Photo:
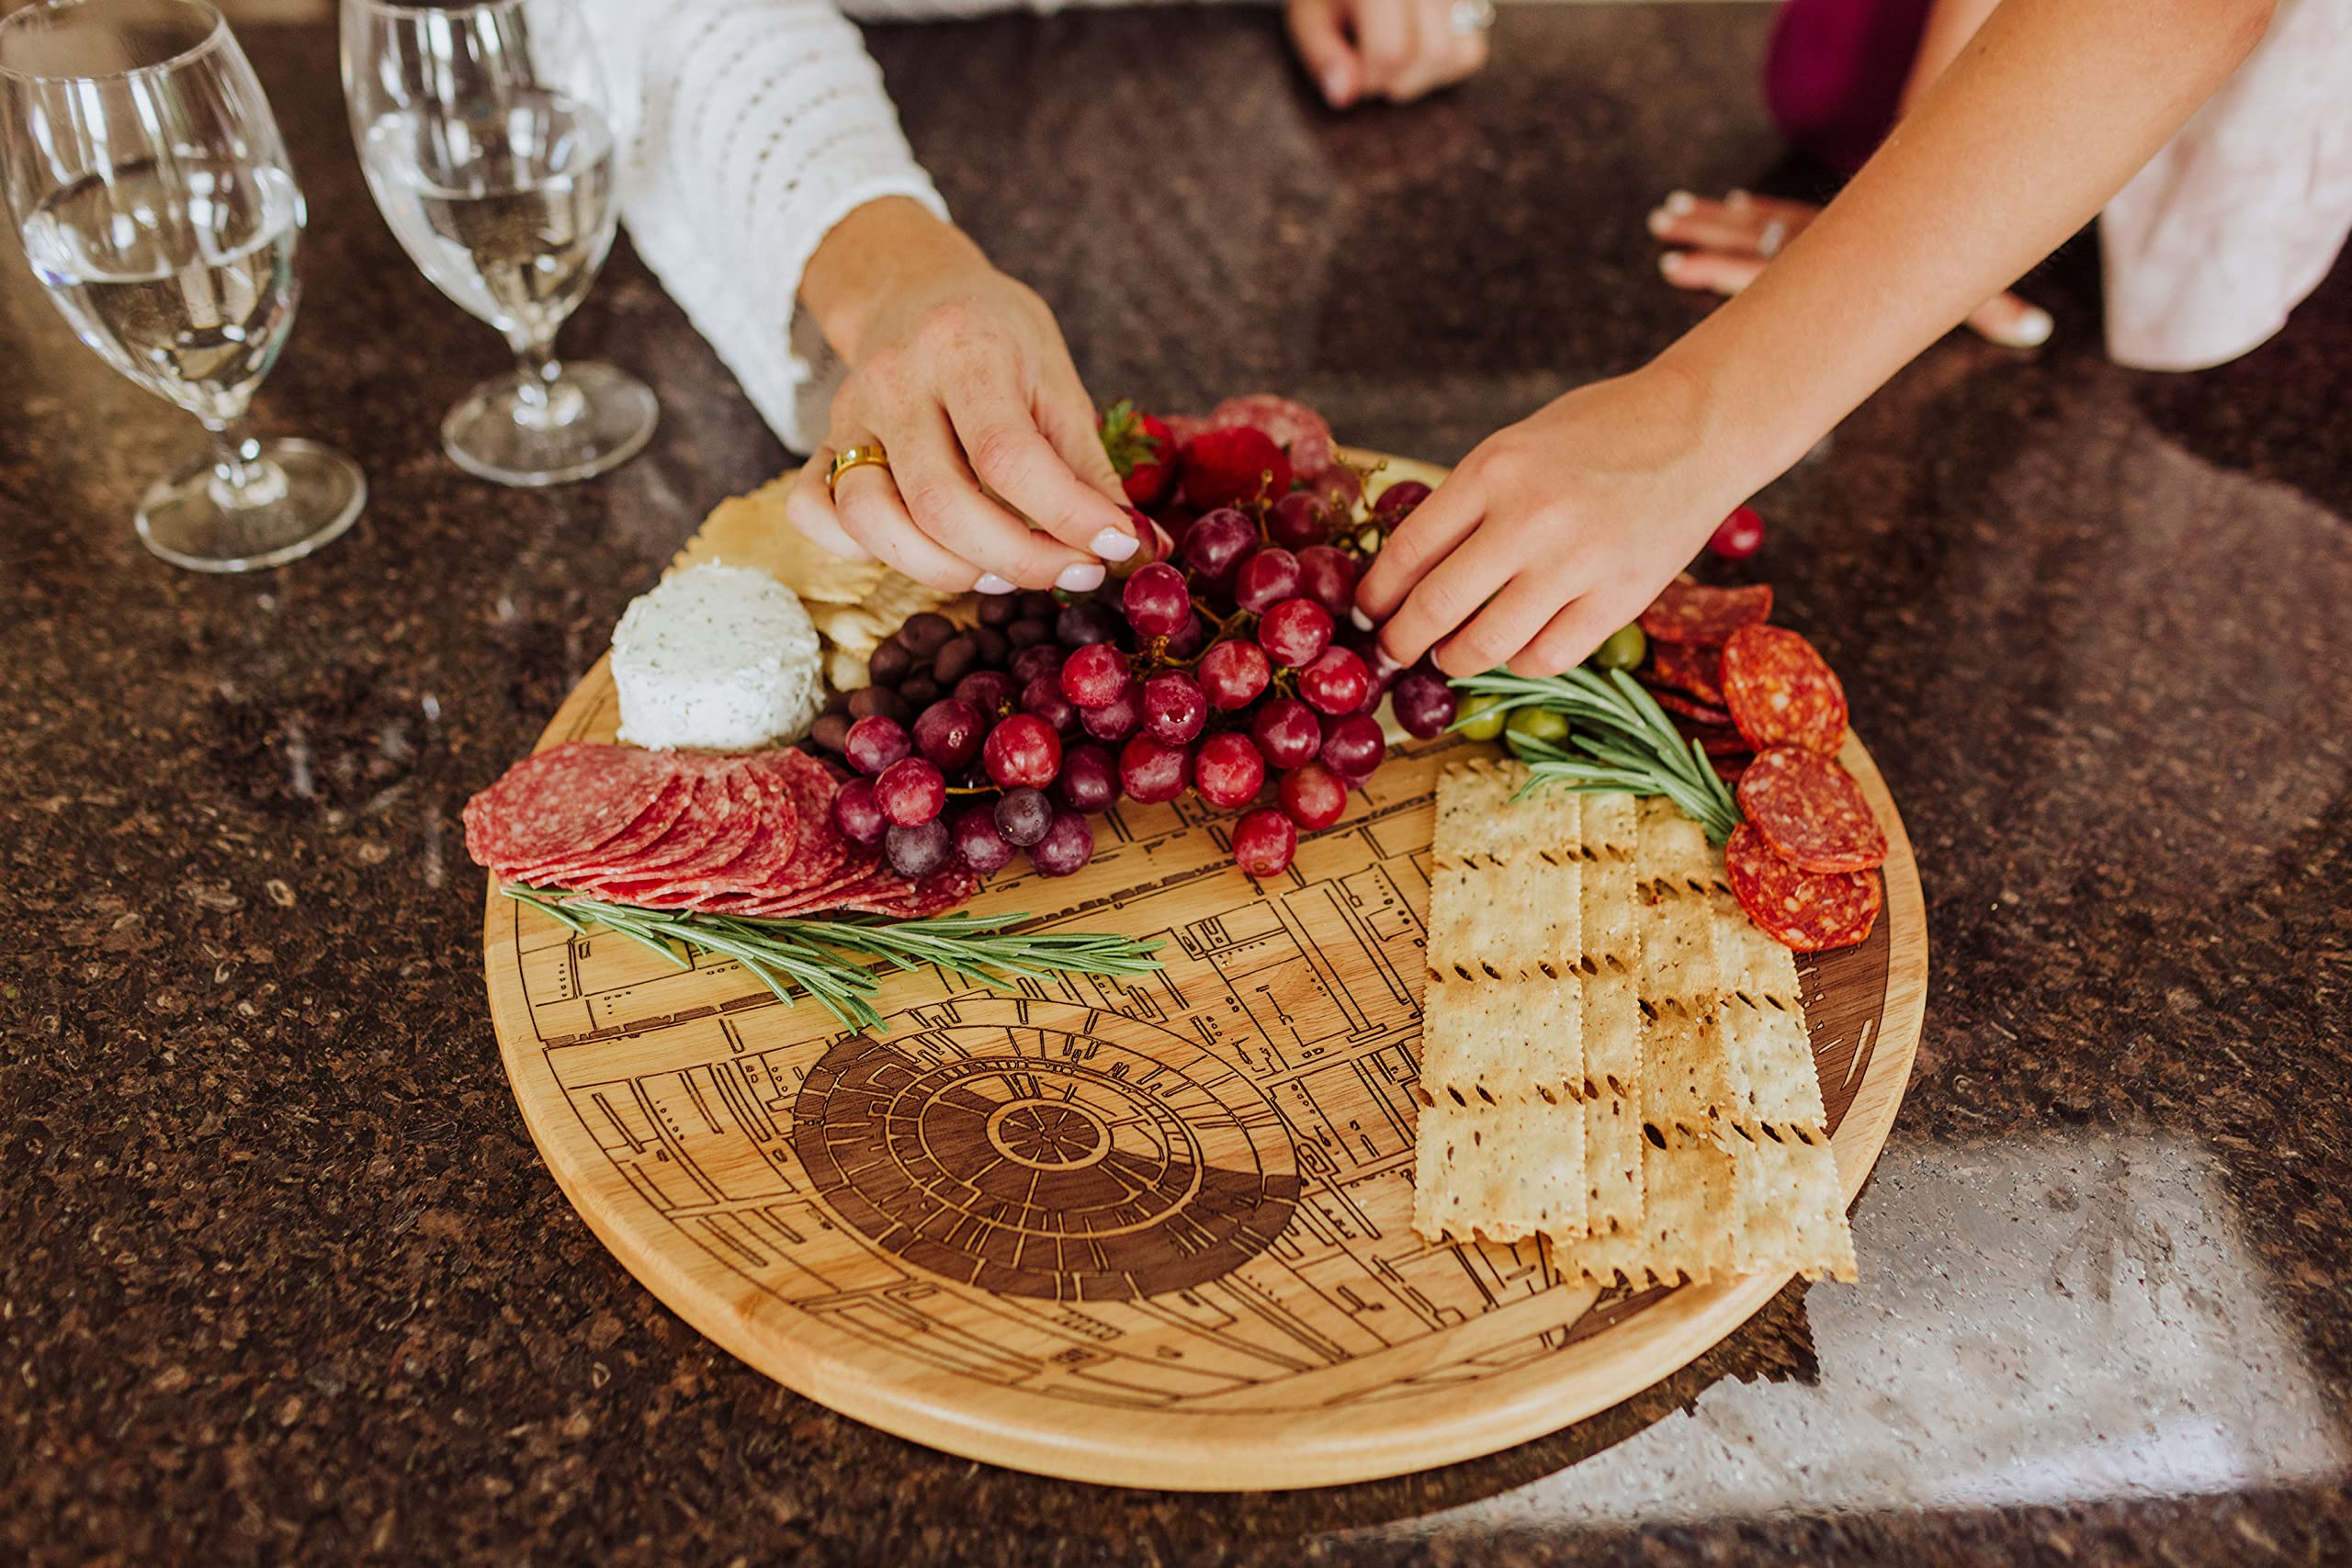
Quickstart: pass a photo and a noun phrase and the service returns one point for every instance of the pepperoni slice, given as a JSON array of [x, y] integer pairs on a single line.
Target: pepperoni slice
[[1730, 765], [1800, 909], [1781, 692], [1811, 811], [1697, 713], [1693, 669], [1691, 612]]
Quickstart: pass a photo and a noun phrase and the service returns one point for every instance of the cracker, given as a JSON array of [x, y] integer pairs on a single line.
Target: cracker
[[1611, 824], [1772, 1059], [1611, 912], [752, 530], [1520, 917], [1684, 1233], [1673, 850], [1750, 962], [1687, 1089], [1677, 955], [1613, 1111], [1497, 1040], [1477, 816], [1500, 1172], [1789, 1212]]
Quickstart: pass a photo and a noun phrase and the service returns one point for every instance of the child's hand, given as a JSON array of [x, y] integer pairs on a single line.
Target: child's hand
[[1563, 526]]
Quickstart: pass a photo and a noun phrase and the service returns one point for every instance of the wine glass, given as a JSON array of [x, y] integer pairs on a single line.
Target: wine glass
[[155, 201], [483, 134]]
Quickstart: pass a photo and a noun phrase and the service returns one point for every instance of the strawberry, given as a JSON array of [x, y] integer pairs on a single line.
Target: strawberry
[[1141, 449], [1223, 466]]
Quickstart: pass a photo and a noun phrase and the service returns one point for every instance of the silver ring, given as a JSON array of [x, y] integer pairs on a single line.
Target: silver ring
[[1775, 235], [1468, 17]]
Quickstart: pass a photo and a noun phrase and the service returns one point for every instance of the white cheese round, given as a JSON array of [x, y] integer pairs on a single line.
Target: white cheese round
[[718, 657]]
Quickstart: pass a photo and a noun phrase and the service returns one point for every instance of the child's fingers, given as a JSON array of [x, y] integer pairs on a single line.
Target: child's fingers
[[1415, 545], [1714, 270], [1446, 598], [2009, 321], [1497, 634], [1744, 227], [1567, 640]]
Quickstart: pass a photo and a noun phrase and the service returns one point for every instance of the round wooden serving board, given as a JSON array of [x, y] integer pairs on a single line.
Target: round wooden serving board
[[1155, 1233]]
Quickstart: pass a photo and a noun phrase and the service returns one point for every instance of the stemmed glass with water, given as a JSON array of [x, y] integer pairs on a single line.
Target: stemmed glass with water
[[483, 134], [156, 202]]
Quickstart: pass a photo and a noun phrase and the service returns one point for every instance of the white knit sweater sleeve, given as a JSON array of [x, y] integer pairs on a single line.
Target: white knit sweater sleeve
[[744, 129]]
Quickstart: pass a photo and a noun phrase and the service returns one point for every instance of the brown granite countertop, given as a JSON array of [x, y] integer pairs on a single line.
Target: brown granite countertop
[[281, 1277]]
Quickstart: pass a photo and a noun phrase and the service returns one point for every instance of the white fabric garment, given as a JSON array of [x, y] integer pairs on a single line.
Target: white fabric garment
[[2242, 213]]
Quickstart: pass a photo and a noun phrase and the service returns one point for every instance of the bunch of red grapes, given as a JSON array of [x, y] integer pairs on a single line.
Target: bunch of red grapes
[[1230, 664]]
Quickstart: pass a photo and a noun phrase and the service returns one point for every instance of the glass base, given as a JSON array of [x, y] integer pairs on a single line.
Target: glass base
[[313, 493], [593, 418]]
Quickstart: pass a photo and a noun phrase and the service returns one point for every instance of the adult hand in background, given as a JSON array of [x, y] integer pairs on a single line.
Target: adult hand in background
[[1398, 50], [996, 479]]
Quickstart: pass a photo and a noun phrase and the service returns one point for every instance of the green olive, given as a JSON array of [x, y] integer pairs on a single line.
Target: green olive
[[1475, 720], [1624, 649], [1536, 724]]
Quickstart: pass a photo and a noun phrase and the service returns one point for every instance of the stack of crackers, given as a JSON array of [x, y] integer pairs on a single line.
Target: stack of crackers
[[1614, 1058]]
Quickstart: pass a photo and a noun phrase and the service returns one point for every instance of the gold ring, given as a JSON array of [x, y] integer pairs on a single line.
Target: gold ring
[[850, 458]]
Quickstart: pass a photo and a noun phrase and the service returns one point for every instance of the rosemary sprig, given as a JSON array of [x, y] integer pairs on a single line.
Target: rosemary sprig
[[794, 957], [1628, 745]]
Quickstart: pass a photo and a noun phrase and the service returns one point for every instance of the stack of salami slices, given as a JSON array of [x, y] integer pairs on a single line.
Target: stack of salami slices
[[748, 835], [1771, 716]]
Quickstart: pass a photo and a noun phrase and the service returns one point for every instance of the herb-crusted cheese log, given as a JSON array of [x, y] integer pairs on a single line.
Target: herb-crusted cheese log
[[716, 657]]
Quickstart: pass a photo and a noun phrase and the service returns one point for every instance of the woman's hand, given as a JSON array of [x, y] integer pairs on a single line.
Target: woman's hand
[[1398, 50], [959, 374], [1732, 242], [1555, 531]]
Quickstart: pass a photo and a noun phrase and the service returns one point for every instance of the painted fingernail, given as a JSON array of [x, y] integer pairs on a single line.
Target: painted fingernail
[[990, 582], [1661, 220], [1736, 198], [1357, 618], [1382, 667], [1680, 201], [1081, 577], [1670, 262], [2033, 328], [1113, 544], [1335, 86]]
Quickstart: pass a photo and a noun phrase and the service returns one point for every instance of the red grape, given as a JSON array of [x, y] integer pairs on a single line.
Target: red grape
[[1029, 632], [1116, 719], [1083, 621], [1043, 697], [917, 851], [949, 734], [874, 744], [918, 691], [889, 663], [1354, 746], [857, 815], [1229, 771], [977, 841], [1297, 521], [868, 701], [1031, 662], [1266, 579], [1156, 601], [1399, 499], [1089, 783], [1327, 576], [1424, 704], [1335, 683], [1068, 845], [1263, 842], [991, 646], [990, 692], [1190, 640], [1022, 749], [1022, 814], [1314, 795], [924, 632], [1039, 604], [1738, 536], [1094, 675], [911, 792], [1294, 632], [1234, 673], [1000, 610], [830, 730], [1152, 772], [957, 658], [1218, 540], [1286, 731], [1174, 706]]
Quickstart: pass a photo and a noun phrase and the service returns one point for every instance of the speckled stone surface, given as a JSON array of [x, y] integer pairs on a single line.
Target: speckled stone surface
[[281, 1277]]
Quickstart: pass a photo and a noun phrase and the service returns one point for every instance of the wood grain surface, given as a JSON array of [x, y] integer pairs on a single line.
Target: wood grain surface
[[1153, 1231]]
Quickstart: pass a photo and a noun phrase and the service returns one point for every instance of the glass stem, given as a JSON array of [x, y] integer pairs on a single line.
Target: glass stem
[[541, 400], [242, 478]]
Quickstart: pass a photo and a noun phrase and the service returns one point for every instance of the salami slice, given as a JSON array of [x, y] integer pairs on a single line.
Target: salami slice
[[562, 800], [1696, 712], [1717, 740], [1692, 668], [1781, 692], [1691, 612], [920, 900], [1811, 811], [1298, 430], [746, 803], [669, 804], [1800, 909], [1730, 766]]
